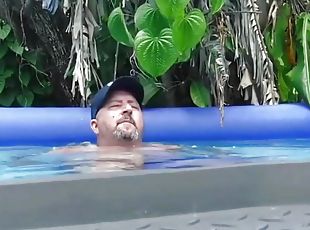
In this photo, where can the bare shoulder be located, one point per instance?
(160, 146)
(83, 147)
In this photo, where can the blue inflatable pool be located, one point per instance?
(60, 126)
(249, 196)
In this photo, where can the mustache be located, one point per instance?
(126, 118)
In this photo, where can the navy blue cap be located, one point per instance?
(126, 83)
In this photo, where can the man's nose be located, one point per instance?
(127, 108)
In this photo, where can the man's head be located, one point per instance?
(116, 114)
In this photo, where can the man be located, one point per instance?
(117, 121)
(116, 115)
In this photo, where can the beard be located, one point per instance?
(126, 135)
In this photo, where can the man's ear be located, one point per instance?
(94, 126)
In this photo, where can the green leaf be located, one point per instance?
(2, 84)
(26, 98)
(300, 74)
(200, 94)
(4, 31)
(31, 56)
(118, 29)
(25, 78)
(188, 31)
(184, 56)
(155, 54)
(274, 39)
(44, 89)
(7, 97)
(15, 46)
(149, 18)
(283, 89)
(6, 73)
(150, 89)
(172, 9)
(3, 50)
(216, 5)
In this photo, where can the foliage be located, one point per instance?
(22, 81)
(167, 34)
(189, 52)
(164, 34)
(291, 54)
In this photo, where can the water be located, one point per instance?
(37, 161)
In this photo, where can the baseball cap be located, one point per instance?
(126, 83)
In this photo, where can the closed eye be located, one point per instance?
(135, 106)
(114, 106)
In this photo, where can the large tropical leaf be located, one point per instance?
(188, 31)
(155, 54)
(279, 50)
(149, 18)
(172, 9)
(299, 75)
(118, 29)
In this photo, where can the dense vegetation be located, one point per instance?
(185, 52)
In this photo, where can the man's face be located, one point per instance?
(120, 120)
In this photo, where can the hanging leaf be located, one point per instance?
(31, 56)
(200, 94)
(2, 84)
(15, 46)
(172, 9)
(149, 18)
(188, 31)
(7, 97)
(3, 50)
(216, 5)
(26, 98)
(150, 89)
(4, 31)
(155, 54)
(118, 29)
(6, 73)
(286, 89)
(25, 78)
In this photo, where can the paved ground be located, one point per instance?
(257, 218)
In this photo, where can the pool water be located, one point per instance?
(38, 161)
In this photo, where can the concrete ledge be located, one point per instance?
(106, 197)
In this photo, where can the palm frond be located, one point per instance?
(299, 6)
(83, 51)
(255, 67)
(216, 65)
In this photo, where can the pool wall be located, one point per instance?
(113, 197)
(60, 126)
